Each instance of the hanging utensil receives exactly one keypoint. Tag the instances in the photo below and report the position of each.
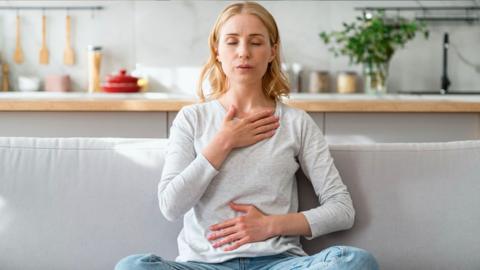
(18, 54)
(69, 54)
(5, 81)
(44, 50)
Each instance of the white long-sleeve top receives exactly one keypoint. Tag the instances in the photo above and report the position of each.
(262, 174)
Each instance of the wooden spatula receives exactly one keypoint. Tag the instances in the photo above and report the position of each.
(44, 50)
(68, 54)
(18, 54)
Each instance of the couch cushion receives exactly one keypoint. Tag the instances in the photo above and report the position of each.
(417, 205)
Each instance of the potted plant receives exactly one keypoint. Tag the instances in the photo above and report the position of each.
(372, 41)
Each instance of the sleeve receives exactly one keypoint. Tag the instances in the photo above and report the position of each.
(336, 210)
(185, 175)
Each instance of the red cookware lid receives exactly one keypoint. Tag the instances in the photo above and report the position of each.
(122, 77)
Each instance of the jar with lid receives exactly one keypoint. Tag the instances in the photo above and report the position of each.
(319, 81)
(94, 63)
(346, 82)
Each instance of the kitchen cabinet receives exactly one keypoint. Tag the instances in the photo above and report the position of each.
(84, 124)
(401, 127)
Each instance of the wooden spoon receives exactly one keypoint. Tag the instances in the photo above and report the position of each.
(18, 54)
(69, 54)
(44, 50)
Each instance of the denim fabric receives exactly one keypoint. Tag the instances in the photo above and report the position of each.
(333, 258)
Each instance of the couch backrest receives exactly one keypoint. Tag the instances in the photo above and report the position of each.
(83, 203)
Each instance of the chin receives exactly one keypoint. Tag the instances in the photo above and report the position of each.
(246, 79)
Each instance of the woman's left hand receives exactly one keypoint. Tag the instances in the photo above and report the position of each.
(254, 226)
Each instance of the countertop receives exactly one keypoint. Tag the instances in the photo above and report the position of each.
(155, 101)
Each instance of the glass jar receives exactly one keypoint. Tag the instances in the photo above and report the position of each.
(375, 78)
(94, 63)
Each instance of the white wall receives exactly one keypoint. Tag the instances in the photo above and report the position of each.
(164, 35)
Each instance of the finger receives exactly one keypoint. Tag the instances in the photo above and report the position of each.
(266, 128)
(222, 225)
(229, 239)
(222, 233)
(264, 136)
(237, 244)
(259, 115)
(265, 121)
(240, 207)
(230, 113)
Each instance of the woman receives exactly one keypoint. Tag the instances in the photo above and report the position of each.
(231, 162)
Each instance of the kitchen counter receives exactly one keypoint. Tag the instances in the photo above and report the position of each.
(167, 102)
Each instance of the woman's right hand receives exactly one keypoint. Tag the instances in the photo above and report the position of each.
(246, 131)
(235, 133)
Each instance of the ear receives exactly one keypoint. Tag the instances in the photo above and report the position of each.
(216, 55)
(274, 50)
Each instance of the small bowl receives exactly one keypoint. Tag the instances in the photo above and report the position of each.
(28, 84)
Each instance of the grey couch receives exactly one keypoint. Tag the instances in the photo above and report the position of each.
(84, 203)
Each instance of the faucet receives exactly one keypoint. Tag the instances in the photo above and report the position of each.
(445, 80)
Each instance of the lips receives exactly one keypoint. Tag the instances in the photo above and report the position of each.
(244, 66)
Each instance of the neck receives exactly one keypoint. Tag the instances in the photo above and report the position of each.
(246, 98)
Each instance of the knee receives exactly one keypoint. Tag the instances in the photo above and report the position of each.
(345, 257)
(139, 262)
(360, 258)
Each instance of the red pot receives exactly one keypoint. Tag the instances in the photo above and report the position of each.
(121, 83)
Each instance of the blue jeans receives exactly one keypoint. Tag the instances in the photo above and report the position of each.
(336, 257)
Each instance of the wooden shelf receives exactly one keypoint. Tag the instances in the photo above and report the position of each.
(309, 103)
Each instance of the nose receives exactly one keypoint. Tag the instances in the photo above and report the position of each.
(243, 50)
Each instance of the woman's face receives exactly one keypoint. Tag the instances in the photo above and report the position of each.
(244, 49)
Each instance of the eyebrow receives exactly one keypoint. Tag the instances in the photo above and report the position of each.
(253, 34)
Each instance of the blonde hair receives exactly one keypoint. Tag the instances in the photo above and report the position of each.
(274, 81)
